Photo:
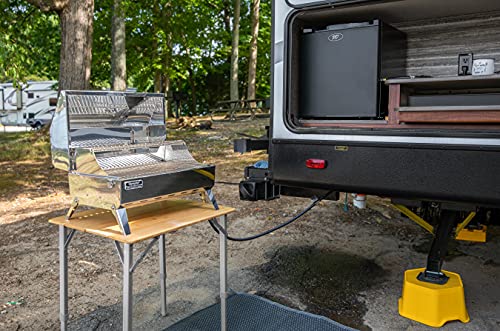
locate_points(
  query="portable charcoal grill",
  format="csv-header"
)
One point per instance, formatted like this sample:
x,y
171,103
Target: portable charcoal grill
x,y
113,144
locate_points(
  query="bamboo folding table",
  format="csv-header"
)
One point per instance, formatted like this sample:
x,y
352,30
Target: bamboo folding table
x,y
151,221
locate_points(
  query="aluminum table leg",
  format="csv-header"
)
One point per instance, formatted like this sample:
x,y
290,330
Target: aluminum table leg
x,y
223,275
63,278
163,276
127,286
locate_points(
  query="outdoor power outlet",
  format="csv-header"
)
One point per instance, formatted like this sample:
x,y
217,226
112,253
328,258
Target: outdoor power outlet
x,y
465,64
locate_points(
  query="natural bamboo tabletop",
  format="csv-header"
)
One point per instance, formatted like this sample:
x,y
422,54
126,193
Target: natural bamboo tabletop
x,y
145,222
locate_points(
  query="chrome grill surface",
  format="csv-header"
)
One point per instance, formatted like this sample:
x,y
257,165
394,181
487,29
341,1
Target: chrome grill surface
x,y
162,168
169,157
101,144
127,161
114,106
113,144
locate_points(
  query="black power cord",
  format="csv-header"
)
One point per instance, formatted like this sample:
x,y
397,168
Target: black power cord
x,y
218,228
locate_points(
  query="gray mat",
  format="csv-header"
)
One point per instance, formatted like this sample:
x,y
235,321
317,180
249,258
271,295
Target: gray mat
x,y
249,312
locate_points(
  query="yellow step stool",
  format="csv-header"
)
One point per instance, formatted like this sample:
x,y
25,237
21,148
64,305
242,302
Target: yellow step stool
x,y
475,235
433,304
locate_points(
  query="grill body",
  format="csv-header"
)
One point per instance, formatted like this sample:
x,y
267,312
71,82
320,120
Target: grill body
x,y
113,145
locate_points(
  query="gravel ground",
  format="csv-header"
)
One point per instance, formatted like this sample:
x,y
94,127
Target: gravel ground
x,y
344,265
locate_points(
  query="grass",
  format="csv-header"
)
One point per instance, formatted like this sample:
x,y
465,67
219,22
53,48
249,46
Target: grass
x,y
217,144
23,160
24,146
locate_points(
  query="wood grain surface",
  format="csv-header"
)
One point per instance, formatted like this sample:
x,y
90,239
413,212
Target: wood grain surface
x,y
145,222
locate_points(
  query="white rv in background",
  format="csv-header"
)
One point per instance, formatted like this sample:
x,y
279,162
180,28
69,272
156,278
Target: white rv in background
x,y
28,106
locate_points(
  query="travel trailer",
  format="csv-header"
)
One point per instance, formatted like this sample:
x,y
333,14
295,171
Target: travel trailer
x,y
29,105
395,98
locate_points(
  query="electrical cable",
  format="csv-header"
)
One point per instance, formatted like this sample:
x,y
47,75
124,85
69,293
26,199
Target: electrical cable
x,y
218,228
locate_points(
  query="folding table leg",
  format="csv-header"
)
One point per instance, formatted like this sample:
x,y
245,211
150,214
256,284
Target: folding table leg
x,y
127,286
63,278
223,275
163,276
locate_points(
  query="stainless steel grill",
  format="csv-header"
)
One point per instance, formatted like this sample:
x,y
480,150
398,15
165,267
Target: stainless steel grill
x,y
113,144
124,161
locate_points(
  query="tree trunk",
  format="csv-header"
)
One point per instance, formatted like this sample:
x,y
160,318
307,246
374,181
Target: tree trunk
x,y
252,62
227,16
167,80
157,79
118,52
167,57
233,83
192,108
192,82
77,22
76,18
168,101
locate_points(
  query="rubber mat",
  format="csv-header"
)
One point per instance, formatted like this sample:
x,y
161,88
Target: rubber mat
x,y
249,312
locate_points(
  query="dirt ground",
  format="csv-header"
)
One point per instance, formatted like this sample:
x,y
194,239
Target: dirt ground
x,y
347,266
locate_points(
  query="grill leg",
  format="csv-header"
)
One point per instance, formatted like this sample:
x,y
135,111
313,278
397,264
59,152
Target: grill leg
x,y
63,278
163,276
223,275
127,286
122,219
72,208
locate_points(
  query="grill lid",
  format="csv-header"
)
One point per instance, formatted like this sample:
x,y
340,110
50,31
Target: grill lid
x,y
105,120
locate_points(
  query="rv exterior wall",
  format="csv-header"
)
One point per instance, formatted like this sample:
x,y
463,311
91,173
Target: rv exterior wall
x,y
285,99
431,164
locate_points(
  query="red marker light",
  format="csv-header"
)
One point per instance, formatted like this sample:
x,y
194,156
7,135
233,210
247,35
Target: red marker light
x,y
316,164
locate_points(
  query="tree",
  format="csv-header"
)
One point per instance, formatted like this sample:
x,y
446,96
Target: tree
x,y
118,51
76,22
234,92
167,57
252,61
183,46
22,56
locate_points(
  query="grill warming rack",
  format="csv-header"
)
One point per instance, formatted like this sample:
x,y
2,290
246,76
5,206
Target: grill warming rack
x,y
113,145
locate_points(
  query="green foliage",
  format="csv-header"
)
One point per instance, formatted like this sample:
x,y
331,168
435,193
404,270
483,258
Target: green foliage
x,y
101,45
264,56
29,42
185,41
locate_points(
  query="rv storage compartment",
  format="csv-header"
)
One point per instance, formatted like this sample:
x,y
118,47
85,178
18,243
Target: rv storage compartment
x,y
440,139
341,69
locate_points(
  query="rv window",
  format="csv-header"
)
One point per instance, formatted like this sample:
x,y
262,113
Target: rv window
x,y
30,95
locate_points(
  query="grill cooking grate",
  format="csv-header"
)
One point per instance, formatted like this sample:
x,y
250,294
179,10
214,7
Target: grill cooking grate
x,y
169,157
159,168
100,143
127,161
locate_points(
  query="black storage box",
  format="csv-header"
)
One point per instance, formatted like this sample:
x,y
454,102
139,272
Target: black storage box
x,y
341,69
